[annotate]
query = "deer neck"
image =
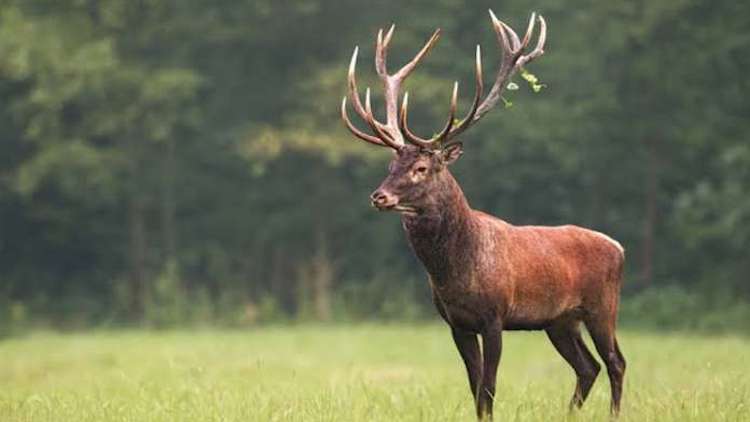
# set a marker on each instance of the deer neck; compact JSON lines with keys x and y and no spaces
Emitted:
{"x":441,"y":236}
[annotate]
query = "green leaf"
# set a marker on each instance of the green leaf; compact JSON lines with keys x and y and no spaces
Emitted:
{"x":532,"y":80}
{"x":506,"y":102}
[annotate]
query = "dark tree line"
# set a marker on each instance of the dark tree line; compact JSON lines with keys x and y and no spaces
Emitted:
{"x":170,"y":161}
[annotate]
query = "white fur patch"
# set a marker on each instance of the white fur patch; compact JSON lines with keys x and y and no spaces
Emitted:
{"x":610,"y":240}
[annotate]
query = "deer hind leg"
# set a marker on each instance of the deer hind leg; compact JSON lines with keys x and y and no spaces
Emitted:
{"x":566,"y":337}
{"x":603,"y":335}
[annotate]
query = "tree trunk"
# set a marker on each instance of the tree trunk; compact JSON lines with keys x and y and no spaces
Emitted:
{"x":279,"y":280}
{"x":650,"y":213}
{"x":168,"y":207}
{"x":322,"y":278}
{"x":137,"y":252}
{"x":314,"y":280}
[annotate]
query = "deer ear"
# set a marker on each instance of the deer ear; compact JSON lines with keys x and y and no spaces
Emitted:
{"x":452,"y":152}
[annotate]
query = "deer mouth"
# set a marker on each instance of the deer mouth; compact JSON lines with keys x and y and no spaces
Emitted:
{"x":387,"y":202}
{"x":403,"y":209}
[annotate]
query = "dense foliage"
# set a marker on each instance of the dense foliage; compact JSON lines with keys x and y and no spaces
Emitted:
{"x":165,"y":161}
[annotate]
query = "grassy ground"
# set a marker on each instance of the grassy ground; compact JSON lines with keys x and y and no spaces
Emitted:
{"x":351,"y":373}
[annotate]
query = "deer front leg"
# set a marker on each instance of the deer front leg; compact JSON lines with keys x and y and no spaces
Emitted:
{"x":491,"y":350}
{"x":468,"y":347}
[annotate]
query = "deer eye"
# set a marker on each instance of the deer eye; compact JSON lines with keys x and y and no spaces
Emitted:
{"x":421,"y":169}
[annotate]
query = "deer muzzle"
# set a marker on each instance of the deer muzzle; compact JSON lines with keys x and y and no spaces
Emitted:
{"x":383,"y":200}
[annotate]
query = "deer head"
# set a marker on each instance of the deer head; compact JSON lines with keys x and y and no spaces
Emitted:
{"x":417,"y":169}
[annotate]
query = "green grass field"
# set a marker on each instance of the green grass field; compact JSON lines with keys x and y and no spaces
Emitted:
{"x":351,"y":373}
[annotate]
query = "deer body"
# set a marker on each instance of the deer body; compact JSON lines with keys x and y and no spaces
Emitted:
{"x":528,"y":277}
{"x":482,"y":268}
{"x":487,"y":275}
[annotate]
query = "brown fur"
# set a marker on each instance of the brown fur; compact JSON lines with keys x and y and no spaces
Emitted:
{"x":487,"y":275}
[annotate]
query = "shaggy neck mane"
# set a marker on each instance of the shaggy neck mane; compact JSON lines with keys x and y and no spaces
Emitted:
{"x":442,"y":235}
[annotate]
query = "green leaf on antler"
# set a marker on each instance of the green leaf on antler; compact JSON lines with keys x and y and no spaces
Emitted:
{"x":506,"y":102}
{"x":532,"y":80}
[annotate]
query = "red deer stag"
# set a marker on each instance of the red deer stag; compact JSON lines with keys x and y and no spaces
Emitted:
{"x":485,"y":274}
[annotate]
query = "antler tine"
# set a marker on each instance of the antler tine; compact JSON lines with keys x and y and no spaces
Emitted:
{"x":515,"y":42}
{"x":381,"y":51}
{"x":388,"y":35}
{"x":352,"y":83}
{"x":468,"y":120}
{"x":529,"y":31}
{"x":501,"y":35}
{"x":539,"y":49}
{"x":409,"y":67}
{"x":451,"y":116}
{"x":438,"y":139}
{"x":408,"y":134}
{"x":358,"y":133}
{"x":353,"y":91}
{"x":384,"y":136}
{"x":380,"y":56}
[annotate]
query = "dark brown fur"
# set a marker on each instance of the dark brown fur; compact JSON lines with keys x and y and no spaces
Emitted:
{"x":487,"y":275}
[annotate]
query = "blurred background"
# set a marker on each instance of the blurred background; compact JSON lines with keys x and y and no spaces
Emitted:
{"x":167,"y":163}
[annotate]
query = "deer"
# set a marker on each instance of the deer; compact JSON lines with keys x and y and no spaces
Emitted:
{"x":486,"y":275}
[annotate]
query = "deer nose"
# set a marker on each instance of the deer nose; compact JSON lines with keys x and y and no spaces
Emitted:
{"x":383,"y":199}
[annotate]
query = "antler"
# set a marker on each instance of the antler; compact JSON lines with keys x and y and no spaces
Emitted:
{"x":513,"y":59}
{"x":385,"y":134}
{"x":395,"y":130}
{"x":449,"y":131}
